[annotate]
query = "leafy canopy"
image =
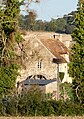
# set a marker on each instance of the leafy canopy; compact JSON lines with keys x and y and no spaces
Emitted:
{"x":76,"y":67}
{"x":9,"y":36}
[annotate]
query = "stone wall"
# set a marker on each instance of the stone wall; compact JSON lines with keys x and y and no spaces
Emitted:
{"x":35,"y":53}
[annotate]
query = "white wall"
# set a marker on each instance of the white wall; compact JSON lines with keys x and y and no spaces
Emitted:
{"x":51,"y":87}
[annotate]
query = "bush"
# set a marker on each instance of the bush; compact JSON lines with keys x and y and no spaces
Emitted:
{"x":1,"y":107}
{"x":30,"y":102}
{"x":47,"y":109}
{"x":34,"y":103}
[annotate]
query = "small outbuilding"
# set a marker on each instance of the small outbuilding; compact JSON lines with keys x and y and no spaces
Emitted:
{"x":47,"y":86}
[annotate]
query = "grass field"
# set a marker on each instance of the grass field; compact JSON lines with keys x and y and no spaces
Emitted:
{"x":60,"y":117}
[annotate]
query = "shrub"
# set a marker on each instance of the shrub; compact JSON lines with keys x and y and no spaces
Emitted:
{"x":34,"y":103}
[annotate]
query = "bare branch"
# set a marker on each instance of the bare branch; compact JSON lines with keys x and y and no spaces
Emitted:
{"x":77,"y":94}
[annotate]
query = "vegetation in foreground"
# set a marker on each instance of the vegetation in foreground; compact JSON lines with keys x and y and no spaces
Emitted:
{"x":76,"y":66}
{"x":36,"y":103}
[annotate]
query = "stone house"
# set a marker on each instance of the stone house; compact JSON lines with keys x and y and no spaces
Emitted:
{"x":43,"y":56}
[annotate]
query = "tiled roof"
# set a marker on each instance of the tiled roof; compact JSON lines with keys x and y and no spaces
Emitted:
{"x":56,"y":47}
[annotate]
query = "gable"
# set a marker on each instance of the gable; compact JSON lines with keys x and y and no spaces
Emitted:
{"x":54,"y":47}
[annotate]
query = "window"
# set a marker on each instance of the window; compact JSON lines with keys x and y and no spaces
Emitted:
{"x":39,"y":63}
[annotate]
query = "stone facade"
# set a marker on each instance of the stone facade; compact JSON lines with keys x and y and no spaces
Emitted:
{"x":38,"y":59}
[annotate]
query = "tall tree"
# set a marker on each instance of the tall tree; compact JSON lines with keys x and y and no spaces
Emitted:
{"x":76,"y":67}
{"x":9,"y":35}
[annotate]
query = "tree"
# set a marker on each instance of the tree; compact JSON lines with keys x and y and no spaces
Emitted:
{"x":76,"y":67}
{"x":40,"y":25}
{"x":9,"y":32}
{"x":61,"y":23}
{"x":9,"y":37}
{"x":69,"y":29}
{"x":51,"y":26}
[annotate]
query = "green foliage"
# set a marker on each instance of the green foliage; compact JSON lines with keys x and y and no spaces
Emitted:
{"x":10,"y":18}
{"x":9,"y":36}
{"x":30,"y":102}
{"x":57,"y":107}
{"x":47,"y":109}
{"x":12,"y":105}
{"x":33,"y":103}
{"x":69,"y":28}
{"x":9,"y":14}
{"x":8,"y":77}
{"x":52,"y":26}
{"x":66,"y":92}
{"x":72,"y":109}
{"x":76,"y":67}
{"x":28,"y":22}
{"x":18,"y":37}
{"x":61,"y":75}
{"x":60,"y":25}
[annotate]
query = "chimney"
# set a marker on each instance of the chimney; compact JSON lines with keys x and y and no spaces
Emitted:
{"x":60,"y":37}
{"x":54,"y":36}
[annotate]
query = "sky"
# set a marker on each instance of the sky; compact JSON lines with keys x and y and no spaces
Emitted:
{"x":48,"y":9}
